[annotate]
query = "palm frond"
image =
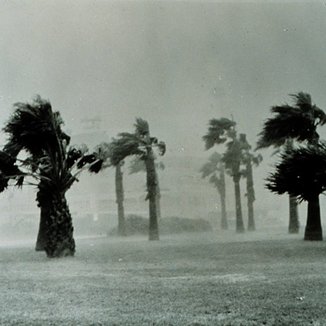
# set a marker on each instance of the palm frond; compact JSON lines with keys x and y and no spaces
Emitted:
{"x":125,"y":145}
{"x":288,"y":122}
{"x":208,"y":169}
{"x":217,"y":132}
{"x":141,"y":127}
{"x":161,"y":147}
{"x":302,"y":100}
{"x":212,"y":166}
{"x":296,"y":122}
{"x":35,"y":126}
{"x":137,"y":165}
{"x":8,"y":170}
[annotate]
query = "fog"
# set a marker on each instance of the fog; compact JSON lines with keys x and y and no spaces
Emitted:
{"x":176,"y":64}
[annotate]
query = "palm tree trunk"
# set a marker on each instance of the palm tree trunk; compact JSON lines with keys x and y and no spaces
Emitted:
{"x":119,"y":200}
{"x":41,"y":236}
{"x":224,"y":221}
{"x":239,"y":219}
{"x":60,"y":241}
{"x":158,"y":198}
{"x":151,"y":189}
{"x":294,"y":216}
{"x":250,"y":196}
{"x":313,"y":229}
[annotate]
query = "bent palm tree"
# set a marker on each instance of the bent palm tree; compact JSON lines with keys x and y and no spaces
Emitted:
{"x":141,"y":144}
{"x":292,"y":123}
{"x":36,"y":130}
{"x":220,"y":131}
{"x":215,"y":171}
{"x":302,"y":174}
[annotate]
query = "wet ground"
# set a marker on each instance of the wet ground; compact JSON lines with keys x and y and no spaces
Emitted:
{"x":193,"y":279}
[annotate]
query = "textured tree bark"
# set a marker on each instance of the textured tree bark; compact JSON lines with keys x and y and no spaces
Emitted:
{"x":293,"y":215}
{"x":151,"y":189}
{"x":250,"y":196}
{"x":313,"y":229}
{"x":158,"y":198}
{"x":119,"y":200}
{"x":41,"y":236}
{"x":239,"y":219}
{"x":224,"y":221}
{"x":60,"y":241}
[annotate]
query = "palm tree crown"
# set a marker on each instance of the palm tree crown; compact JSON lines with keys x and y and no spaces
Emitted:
{"x":297,"y":122}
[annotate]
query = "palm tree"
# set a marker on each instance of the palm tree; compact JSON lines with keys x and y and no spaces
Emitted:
{"x":36,"y":130}
{"x":214,"y":170}
{"x":221,"y":131}
{"x":292,"y":123}
{"x":137,"y":165}
{"x":141,"y":144}
{"x":302,"y":174}
{"x":250,"y":160}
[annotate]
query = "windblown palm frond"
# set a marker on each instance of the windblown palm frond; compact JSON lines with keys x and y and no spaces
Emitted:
{"x":125,"y":145}
{"x":302,"y":100}
{"x":138,"y":165}
{"x":212,"y":166}
{"x":256,"y":159}
{"x":217,"y":131}
{"x":298,"y":122}
{"x":141,"y":127}
{"x":288,"y":123}
{"x":301,"y":172}
{"x":9,"y":170}
{"x":35,"y":126}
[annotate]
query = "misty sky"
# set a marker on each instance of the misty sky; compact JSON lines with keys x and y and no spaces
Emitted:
{"x":177,"y":64}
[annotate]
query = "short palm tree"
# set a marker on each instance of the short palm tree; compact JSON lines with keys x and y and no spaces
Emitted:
{"x":302,"y":174}
{"x":249,"y":160}
{"x":292,"y":123}
{"x":223,"y":131}
{"x":35,"y":130}
{"x":214,"y":170}
{"x":141,"y":144}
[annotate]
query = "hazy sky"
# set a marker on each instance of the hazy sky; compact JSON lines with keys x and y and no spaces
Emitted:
{"x":175,"y":63}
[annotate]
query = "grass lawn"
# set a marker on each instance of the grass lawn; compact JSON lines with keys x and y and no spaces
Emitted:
{"x":195,"y":279}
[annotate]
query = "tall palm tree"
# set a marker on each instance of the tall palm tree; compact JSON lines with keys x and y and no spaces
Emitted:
{"x":223,"y":131}
{"x":250,"y":159}
{"x":141,"y":144}
{"x":137,"y":165}
{"x":297,"y":123}
{"x":214,"y":170}
{"x":302,"y":174}
{"x":36,"y":130}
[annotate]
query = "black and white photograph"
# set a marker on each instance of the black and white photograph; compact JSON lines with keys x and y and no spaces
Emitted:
{"x":162,"y":162}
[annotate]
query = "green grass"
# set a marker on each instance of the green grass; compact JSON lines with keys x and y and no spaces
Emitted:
{"x":195,"y":279}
